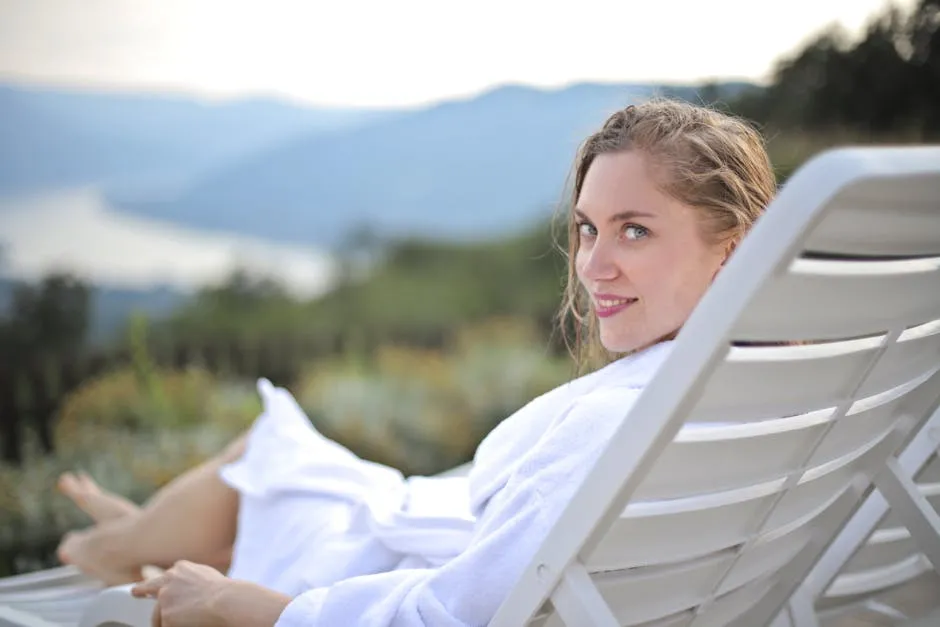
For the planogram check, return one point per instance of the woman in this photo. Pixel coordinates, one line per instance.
(662, 194)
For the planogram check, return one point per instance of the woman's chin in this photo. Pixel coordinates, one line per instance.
(627, 345)
(620, 345)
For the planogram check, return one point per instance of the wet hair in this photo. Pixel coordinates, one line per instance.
(708, 160)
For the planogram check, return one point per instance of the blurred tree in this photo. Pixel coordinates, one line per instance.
(793, 97)
(242, 289)
(45, 321)
(923, 35)
(51, 317)
(885, 85)
(360, 250)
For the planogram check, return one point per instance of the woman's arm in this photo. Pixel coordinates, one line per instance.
(245, 604)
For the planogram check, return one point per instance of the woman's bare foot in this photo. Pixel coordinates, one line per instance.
(100, 504)
(97, 552)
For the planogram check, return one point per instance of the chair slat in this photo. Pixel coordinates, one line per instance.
(733, 604)
(714, 458)
(766, 556)
(637, 598)
(875, 580)
(635, 593)
(756, 383)
(835, 299)
(658, 532)
(882, 217)
(895, 549)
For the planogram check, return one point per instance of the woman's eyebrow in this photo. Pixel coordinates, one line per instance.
(618, 217)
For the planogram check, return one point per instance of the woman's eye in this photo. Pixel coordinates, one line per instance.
(634, 231)
(586, 230)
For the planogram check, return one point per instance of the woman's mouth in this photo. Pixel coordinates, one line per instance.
(607, 306)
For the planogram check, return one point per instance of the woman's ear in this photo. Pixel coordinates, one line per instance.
(726, 254)
(729, 249)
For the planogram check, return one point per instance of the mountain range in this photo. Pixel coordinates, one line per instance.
(52, 138)
(473, 168)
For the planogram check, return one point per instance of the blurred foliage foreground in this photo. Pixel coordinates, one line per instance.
(135, 428)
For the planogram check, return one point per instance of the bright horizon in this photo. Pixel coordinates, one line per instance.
(370, 53)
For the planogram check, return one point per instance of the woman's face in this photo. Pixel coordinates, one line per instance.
(641, 254)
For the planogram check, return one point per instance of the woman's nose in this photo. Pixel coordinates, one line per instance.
(599, 264)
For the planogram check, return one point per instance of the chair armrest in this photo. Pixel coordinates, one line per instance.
(116, 606)
(43, 580)
(10, 617)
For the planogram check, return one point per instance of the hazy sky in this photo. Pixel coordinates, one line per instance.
(401, 52)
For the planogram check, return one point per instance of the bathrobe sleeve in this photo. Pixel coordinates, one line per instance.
(468, 590)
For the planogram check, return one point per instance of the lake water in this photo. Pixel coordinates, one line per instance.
(77, 230)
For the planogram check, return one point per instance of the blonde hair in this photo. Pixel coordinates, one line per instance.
(710, 161)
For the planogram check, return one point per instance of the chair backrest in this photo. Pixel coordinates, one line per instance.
(809, 362)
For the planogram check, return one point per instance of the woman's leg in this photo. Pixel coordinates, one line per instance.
(193, 518)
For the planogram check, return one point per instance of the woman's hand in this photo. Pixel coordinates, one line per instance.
(187, 594)
(193, 595)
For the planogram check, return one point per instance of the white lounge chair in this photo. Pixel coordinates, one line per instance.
(682, 522)
(739, 464)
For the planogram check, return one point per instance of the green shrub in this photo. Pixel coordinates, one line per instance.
(424, 411)
(119, 401)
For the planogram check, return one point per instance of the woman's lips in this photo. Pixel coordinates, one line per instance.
(607, 305)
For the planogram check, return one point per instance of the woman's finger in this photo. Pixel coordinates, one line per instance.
(155, 616)
(150, 587)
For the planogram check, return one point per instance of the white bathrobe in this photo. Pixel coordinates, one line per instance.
(356, 544)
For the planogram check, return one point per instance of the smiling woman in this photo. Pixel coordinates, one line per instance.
(318, 536)
(662, 194)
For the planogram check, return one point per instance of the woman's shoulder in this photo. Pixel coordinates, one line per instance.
(589, 418)
(563, 429)
(594, 396)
